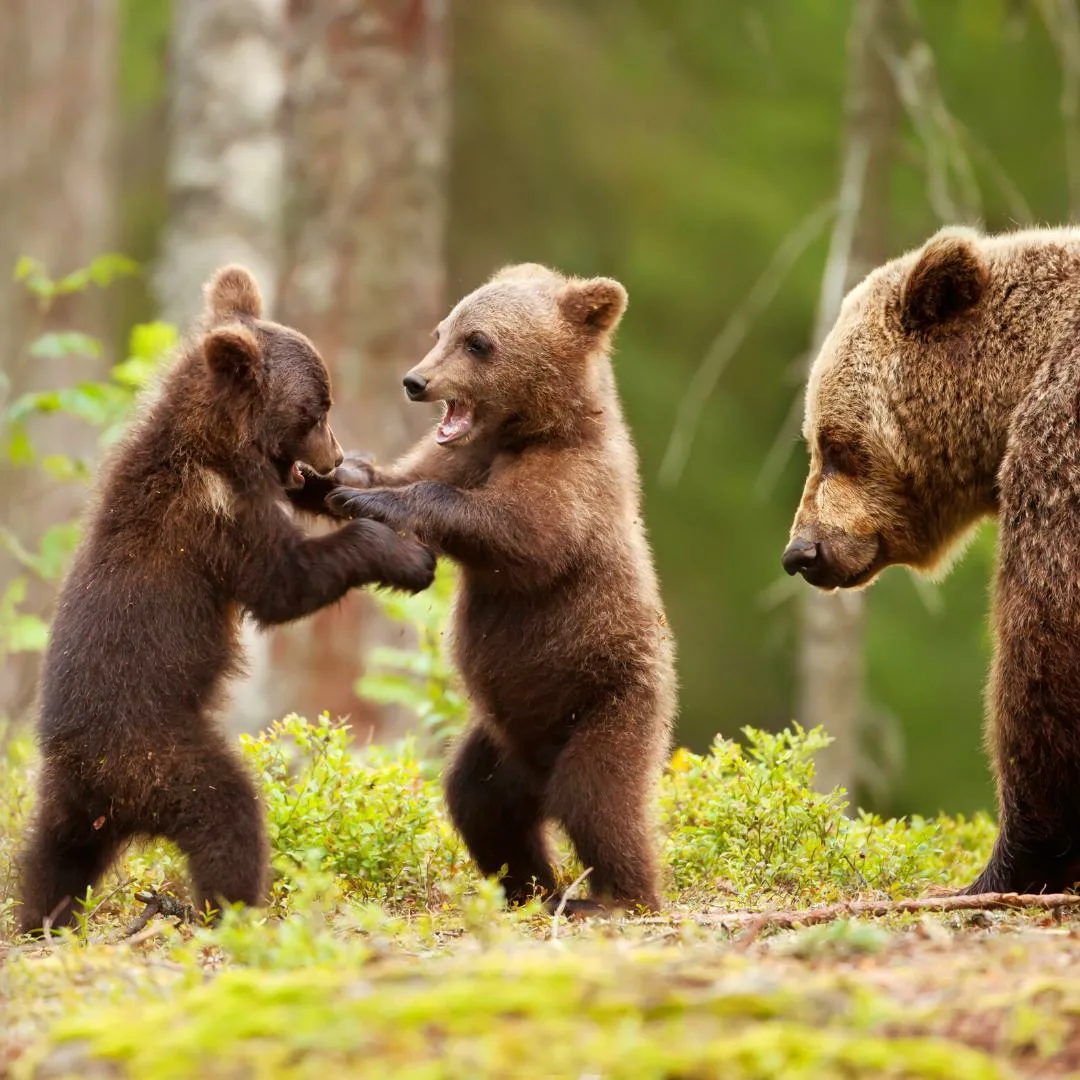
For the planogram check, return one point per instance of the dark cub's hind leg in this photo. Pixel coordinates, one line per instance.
(601, 791)
(65, 855)
(497, 806)
(213, 814)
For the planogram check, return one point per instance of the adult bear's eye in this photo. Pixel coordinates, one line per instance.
(839, 457)
(478, 344)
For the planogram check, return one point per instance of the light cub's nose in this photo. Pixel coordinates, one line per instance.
(415, 385)
(800, 555)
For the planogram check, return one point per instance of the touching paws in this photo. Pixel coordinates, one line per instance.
(356, 471)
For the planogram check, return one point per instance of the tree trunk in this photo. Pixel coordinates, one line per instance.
(830, 666)
(366, 146)
(58, 64)
(226, 188)
(226, 171)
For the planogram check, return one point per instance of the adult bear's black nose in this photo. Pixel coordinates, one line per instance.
(801, 554)
(415, 385)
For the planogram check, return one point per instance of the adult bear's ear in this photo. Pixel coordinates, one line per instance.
(593, 304)
(230, 293)
(948, 278)
(232, 353)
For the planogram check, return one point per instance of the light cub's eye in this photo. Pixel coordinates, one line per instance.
(478, 344)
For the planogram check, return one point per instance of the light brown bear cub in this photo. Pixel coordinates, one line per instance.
(948, 391)
(530, 484)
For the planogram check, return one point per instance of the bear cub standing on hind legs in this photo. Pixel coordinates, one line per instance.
(190, 531)
(948, 391)
(530, 484)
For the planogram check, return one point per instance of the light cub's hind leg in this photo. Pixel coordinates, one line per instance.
(602, 792)
(497, 806)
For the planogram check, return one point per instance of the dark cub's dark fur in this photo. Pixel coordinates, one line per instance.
(190, 531)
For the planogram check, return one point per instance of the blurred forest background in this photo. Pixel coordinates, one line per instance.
(736, 163)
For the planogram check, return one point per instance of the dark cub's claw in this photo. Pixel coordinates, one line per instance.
(353, 503)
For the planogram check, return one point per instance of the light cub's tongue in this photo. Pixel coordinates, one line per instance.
(455, 423)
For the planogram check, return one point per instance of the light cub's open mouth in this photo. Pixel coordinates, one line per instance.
(456, 423)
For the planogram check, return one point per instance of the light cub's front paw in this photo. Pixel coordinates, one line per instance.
(356, 471)
(376, 504)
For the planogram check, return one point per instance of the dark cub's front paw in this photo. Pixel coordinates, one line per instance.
(400, 562)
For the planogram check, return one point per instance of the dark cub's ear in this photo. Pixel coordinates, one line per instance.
(595, 304)
(232, 291)
(948, 278)
(232, 352)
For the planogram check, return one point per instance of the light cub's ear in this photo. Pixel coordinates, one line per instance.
(595, 304)
(949, 277)
(232, 352)
(232, 291)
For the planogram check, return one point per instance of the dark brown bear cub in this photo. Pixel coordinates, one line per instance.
(190, 532)
(530, 484)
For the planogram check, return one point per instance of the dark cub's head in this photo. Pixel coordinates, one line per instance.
(517, 350)
(269, 377)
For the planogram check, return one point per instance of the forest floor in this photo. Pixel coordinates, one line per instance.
(382, 954)
(961, 996)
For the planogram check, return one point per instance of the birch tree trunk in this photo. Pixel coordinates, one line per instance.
(226, 166)
(830, 663)
(366, 148)
(58, 63)
(226, 189)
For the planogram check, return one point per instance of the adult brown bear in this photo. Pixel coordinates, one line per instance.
(948, 391)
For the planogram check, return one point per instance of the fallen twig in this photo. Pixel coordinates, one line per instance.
(757, 921)
(159, 904)
(570, 889)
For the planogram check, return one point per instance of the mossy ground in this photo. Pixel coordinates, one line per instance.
(382, 954)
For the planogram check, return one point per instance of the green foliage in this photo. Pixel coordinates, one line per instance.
(750, 822)
(372, 819)
(382, 953)
(103, 404)
(420, 679)
(102, 271)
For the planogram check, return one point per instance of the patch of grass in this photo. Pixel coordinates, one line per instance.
(382, 953)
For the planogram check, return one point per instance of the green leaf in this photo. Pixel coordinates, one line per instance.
(152, 341)
(65, 468)
(41, 401)
(27, 267)
(13, 596)
(102, 271)
(19, 450)
(26, 633)
(134, 373)
(65, 344)
(57, 546)
(112, 265)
